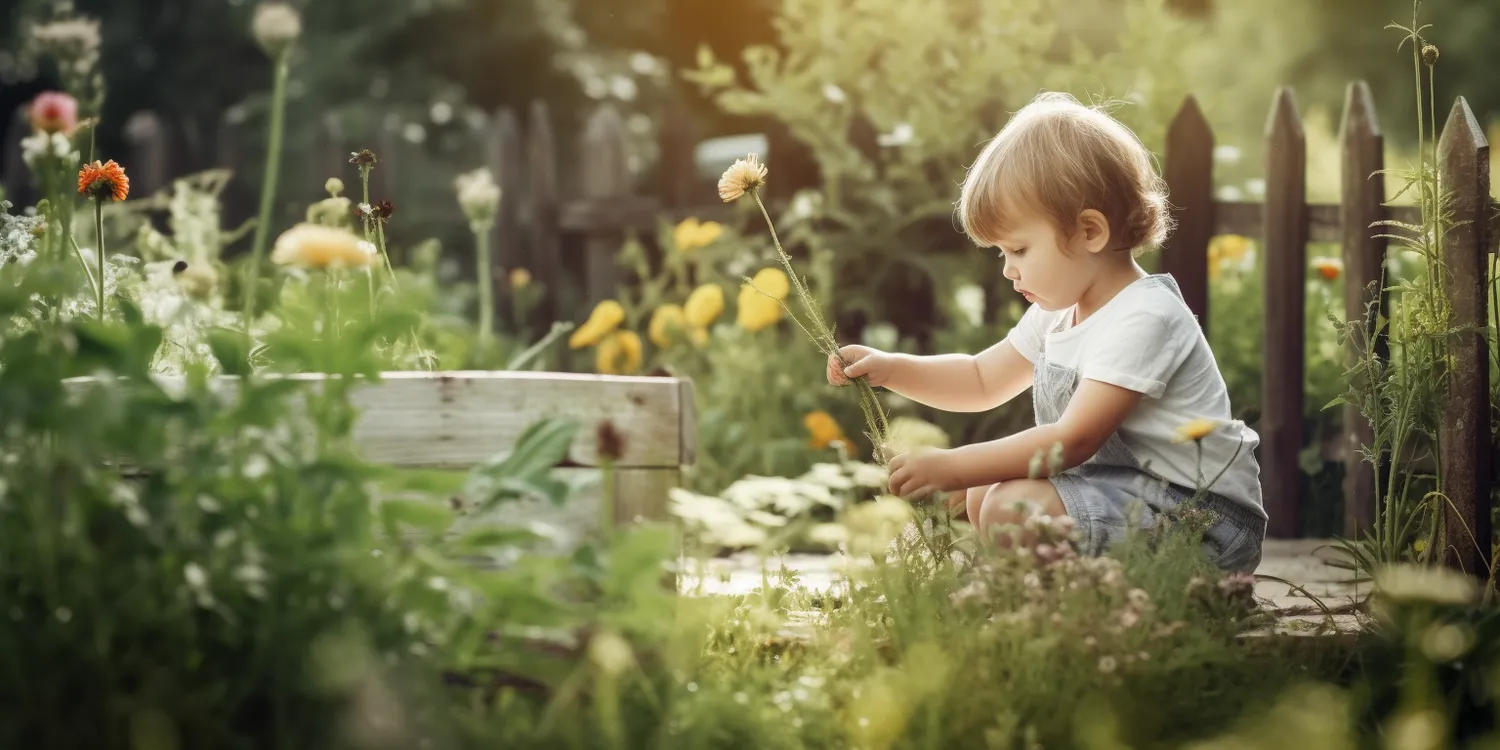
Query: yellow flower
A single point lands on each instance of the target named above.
(772, 281)
(666, 324)
(704, 305)
(823, 429)
(689, 235)
(1223, 250)
(1196, 429)
(756, 311)
(619, 354)
(520, 278)
(1328, 268)
(741, 177)
(605, 317)
(316, 246)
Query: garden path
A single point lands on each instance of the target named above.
(1303, 562)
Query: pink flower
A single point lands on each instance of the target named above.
(54, 112)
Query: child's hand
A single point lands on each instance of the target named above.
(872, 364)
(922, 473)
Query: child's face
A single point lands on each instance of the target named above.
(1048, 267)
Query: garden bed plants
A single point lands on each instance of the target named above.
(196, 553)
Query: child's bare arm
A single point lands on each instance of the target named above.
(1094, 413)
(951, 382)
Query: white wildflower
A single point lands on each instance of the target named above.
(969, 299)
(478, 196)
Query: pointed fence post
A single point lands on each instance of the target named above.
(1365, 299)
(1464, 158)
(1285, 235)
(502, 153)
(146, 133)
(605, 175)
(1188, 171)
(546, 242)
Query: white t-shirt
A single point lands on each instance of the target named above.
(1147, 340)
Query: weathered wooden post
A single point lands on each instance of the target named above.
(332, 157)
(546, 244)
(1188, 171)
(146, 134)
(502, 154)
(1464, 160)
(17, 177)
(1285, 238)
(1365, 299)
(606, 175)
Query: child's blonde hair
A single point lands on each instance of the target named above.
(1059, 157)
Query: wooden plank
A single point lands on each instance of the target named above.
(1188, 172)
(1324, 220)
(641, 494)
(605, 176)
(1364, 298)
(1285, 239)
(455, 419)
(1464, 157)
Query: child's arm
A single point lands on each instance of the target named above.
(951, 382)
(1096, 410)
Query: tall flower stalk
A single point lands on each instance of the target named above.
(479, 197)
(102, 182)
(276, 28)
(748, 176)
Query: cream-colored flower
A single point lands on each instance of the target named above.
(314, 246)
(1430, 584)
(478, 195)
(743, 176)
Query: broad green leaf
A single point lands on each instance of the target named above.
(228, 348)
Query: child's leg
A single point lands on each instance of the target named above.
(1012, 502)
(973, 501)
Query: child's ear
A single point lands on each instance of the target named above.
(1093, 230)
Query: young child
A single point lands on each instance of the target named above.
(1123, 381)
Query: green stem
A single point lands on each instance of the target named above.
(484, 276)
(84, 264)
(99, 240)
(267, 188)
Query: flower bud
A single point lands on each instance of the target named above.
(276, 27)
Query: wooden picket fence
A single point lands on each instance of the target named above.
(538, 222)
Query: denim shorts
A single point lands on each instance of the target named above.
(1107, 501)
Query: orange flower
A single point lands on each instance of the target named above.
(105, 180)
(822, 430)
(1329, 268)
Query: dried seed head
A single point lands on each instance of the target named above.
(363, 157)
(611, 444)
(1429, 54)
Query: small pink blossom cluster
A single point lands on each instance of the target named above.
(54, 112)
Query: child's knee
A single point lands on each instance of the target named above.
(974, 501)
(1015, 501)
